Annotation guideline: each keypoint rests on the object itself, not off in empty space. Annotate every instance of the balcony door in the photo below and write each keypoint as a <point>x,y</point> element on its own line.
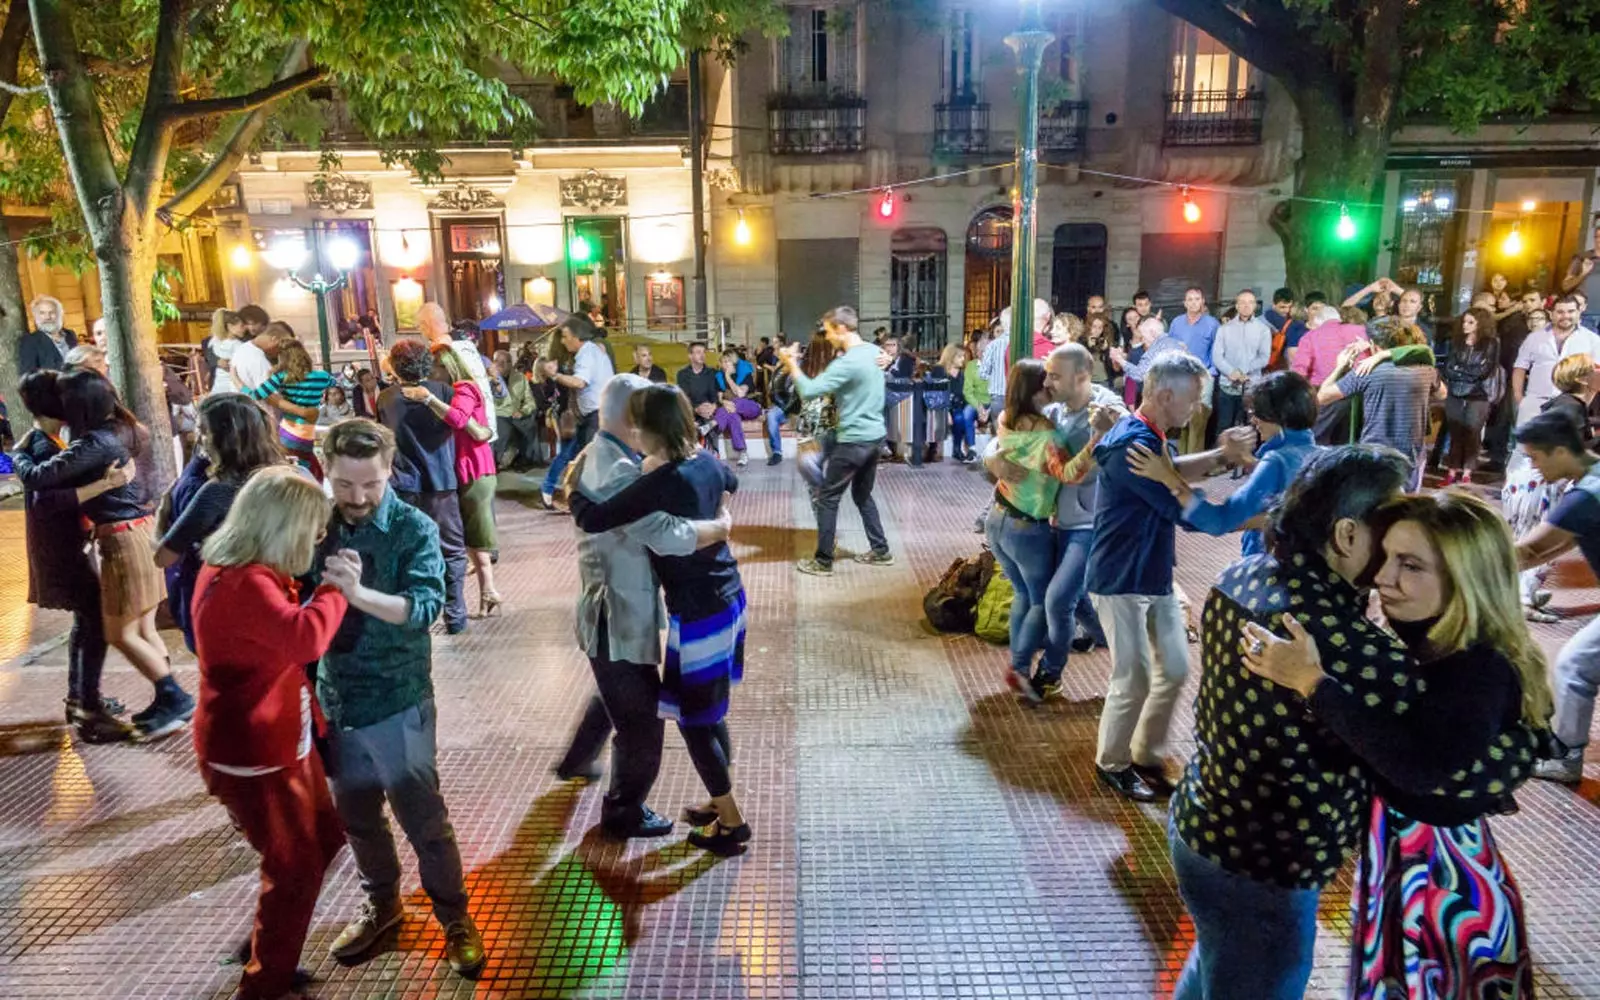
<point>917,260</point>
<point>475,278</point>
<point>597,260</point>
<point>820,54</point>
<point>1078,266</point>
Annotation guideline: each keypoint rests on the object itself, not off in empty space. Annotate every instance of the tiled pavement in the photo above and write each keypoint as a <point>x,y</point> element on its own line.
<point>919,834</point>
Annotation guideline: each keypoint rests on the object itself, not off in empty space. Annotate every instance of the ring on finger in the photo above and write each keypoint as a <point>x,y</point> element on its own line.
<point>1257,647</point>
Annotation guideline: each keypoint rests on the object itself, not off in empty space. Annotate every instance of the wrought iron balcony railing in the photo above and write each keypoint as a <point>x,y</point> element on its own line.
<point>1215,118</point>
<point>1064,130</point>
<point>960,128</point>
<point>798,127</point>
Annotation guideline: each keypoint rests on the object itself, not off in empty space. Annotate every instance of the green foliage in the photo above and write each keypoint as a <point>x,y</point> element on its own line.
<point>163,292</point>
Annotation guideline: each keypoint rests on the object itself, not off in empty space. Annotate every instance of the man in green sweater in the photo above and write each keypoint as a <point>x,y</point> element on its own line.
<point>855,382</point>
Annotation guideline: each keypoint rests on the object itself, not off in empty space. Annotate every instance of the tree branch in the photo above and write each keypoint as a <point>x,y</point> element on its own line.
<point>200,190</point>
<point>16,91</point>
<point>147,162</point>
<point>13,36</point>
<point>184,110</point>
<point>77,115</point>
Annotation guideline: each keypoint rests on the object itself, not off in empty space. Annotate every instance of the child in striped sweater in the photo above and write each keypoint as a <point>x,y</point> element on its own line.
<point>295,390</point>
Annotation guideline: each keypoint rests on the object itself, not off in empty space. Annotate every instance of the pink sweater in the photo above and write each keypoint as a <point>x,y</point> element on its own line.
<point>474,459</point>
<point>1318,353</point>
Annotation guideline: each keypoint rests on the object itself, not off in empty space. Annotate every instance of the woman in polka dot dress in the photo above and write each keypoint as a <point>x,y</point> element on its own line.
<point>1437,913</point>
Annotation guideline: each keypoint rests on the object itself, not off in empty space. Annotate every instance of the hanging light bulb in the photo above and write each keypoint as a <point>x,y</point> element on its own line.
<point>1346,229</point>
<point>1191,211</point>
<point>579,250</point>
<point>1513,244</point>
<point>886,204</point>
<point>741,231</point>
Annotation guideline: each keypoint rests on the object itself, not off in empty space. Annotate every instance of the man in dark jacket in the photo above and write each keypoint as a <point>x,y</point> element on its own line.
<point>47,345</point>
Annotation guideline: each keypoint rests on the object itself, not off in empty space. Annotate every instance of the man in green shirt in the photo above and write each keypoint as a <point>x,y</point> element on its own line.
<point>855,381</point>
<point>376,685</point>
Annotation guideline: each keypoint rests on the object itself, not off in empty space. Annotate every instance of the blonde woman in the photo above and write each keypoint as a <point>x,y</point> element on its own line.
<point>226,329</point>
<point>1437,912</point>
<point>257,714</point>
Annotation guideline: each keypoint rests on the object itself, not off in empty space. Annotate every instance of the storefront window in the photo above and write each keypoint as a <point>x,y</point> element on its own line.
<point>1425,237</point>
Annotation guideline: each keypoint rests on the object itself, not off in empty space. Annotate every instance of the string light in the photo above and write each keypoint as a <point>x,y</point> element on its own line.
<point>1346,229</point>
<point>240,257</point>
<point>1513,244</point>
<point>578,249</point>
<point>1191,211</point>
<point>741,231</point>
<point>886,204</point>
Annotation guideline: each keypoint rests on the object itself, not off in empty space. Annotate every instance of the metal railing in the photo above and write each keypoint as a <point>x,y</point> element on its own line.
<point>960,128</point>
<point>839,128</point>
<point>1064,130</point>
<point>1214,118</point>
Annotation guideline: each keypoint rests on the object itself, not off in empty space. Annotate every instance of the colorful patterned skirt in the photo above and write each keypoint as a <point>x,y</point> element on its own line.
<point>705,659</point>
<point>299,439</point>
<point>1437,915</point>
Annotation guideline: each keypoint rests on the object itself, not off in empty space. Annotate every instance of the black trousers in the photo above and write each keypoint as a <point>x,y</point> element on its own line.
<point>1497,437</point>
<point>86,649</point>
<point>851,465</point>
<point>444,509</point>
<point>1464,420</point>
<point>1333,424</point>
<point>625,704</point>
<point>1230,410</point>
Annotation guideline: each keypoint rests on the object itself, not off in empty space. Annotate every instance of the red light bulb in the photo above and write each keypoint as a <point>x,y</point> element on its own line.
<point>886,205</point>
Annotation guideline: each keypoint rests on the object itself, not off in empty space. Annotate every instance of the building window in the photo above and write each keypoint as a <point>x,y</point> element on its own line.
<point>359,296</point>
<point>917,288</point>
<point>1424,237</point>
<point>819,54</point>
<point>962,73</point>
<point>1214,98</point>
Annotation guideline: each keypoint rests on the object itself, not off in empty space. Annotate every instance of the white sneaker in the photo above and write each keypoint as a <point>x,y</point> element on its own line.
<point>744,459</point>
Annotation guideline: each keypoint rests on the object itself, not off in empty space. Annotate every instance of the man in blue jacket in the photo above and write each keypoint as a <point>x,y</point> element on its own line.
<point>1130,579</point>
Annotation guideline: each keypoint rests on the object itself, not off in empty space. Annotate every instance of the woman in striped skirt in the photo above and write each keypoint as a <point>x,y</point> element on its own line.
<point>704,595</point>
<point>295,389</point>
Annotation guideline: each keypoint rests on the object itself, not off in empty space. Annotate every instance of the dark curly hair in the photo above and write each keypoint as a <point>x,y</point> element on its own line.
<point>411,360</point>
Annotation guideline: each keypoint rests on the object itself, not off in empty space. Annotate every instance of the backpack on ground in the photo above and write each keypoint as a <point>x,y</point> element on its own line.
<point>952,605</point>
<point>994,611</point>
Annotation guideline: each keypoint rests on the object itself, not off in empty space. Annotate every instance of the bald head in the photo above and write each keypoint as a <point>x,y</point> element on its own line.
<point>433,323</point>
<point>614,402</point>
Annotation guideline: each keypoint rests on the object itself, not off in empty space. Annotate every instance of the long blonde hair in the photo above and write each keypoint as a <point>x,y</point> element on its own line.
<point>1484,605</point>
<point>275,520</point>
<point>220,321</point>
<point>947,357</point>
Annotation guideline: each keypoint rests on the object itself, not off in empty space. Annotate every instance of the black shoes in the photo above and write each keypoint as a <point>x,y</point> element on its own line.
<point>696,816</point>
<point>587,774</point>
<point>1155,776</point>
<point>722,841</point>
<point>166,715</point>
<point>648,823</point>
<point>776,458</point>
<point>1128,784</point>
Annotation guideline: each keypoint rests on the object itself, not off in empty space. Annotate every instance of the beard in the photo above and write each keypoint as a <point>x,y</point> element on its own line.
<point>356,513</point>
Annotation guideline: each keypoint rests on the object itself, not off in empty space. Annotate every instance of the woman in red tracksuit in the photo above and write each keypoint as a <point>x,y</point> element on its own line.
<point>253,728</point>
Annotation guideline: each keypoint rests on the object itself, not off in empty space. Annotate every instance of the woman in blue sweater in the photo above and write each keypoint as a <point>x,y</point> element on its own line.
<point>704,595</point>
<point>1283,408</point>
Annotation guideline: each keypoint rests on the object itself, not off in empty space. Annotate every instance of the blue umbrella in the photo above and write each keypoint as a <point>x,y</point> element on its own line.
<point>522,316</point>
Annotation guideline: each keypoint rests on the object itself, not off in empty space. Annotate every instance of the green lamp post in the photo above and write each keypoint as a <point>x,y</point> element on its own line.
<point>1028,42</point>
<point>290,256</point>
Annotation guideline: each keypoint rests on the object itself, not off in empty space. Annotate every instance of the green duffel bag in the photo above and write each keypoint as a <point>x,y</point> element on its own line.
<point>994,611</point>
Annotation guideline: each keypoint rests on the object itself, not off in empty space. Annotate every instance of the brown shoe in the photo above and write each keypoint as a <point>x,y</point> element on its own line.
<point>463,946</point>
<point>363,932</point>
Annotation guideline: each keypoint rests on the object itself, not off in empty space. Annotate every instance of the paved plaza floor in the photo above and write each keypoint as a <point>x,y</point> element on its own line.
<point>918,834</point>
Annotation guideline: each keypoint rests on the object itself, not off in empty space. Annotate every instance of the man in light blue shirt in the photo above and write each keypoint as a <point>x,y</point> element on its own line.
<point>855,382</point>
<point>591,370</point>
<point>1243,348</point>
<point>1198,331</point>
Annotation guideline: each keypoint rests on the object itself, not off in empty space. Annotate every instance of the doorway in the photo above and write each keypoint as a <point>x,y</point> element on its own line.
<point>597,262</point>
<point>988,284</point>
<point>474,269</point>
<point>1078,266</point>
<point>917,288</point>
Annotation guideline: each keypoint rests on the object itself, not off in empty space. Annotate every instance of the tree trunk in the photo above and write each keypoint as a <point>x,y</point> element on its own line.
<point>1340,170</point>
<point>127,267</point>
<point>13,324</point>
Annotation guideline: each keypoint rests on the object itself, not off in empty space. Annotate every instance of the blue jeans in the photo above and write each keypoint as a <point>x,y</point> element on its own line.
<point>775,419</point>
<point>964,427</point>
<point>1026,553</point>
<point>581,436</point>
<point>1252,940</point>
<point>1065,599</point>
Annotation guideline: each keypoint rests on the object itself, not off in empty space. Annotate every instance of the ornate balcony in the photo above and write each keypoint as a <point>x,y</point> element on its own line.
<point>1064,131</point>
<point>960,129</point>
<point>805,125</point>
<point>1214,118</point>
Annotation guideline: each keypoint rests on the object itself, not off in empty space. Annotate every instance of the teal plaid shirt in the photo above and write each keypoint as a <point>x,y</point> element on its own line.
<point>373,669</point>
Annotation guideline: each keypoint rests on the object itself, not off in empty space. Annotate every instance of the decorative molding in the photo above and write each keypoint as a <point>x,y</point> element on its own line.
<point>465,198</point>
<point>593,190</point>
<point>338,193</point>
<point>724,179</point>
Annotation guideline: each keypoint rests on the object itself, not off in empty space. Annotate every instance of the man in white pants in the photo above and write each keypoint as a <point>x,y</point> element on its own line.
<point>1553,444</point>
<point>1130,580</point>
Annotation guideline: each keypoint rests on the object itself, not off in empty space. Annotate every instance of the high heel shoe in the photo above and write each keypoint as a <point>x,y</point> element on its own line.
<point>489,605</point>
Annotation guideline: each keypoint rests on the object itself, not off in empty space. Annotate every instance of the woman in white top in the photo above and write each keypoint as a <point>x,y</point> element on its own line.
<point>226,326</point>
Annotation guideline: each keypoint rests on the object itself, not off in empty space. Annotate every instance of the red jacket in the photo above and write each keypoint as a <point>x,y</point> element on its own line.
<point>254,639</point>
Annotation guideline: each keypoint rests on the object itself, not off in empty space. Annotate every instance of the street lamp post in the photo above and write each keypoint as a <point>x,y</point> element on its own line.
<point>1028,42</point>
<point>343,255</point>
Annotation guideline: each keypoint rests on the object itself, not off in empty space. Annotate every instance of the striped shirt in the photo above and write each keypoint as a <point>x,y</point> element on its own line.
<point>306,392</point>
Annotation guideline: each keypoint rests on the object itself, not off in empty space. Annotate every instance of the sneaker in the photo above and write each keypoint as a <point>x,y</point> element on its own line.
<point>1539,615</point>
<point>1540,598</point>
<point>743,459</point>
<point>547,500</point>
<point>648,823</point>
<point>1127,784</point>
<point>875,558</point>
<point>812,567</point>
<point>1022,686</point>
<point>463,948</point>
<point>1155,776</point>
<point>1449,479</point>
<point>363,932</point>
<point>1082,641</point>
<point>1466,478</point>
<point>1566,769</point>
<point>102,727</point>
<point>776,458</point>
<point>168,718</point>
<point>1048,690</point>
<point>586,775</point>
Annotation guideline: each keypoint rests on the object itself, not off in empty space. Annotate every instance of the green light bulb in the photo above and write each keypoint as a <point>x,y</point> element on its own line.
<point>1346,229</point>
<point>579,250</point>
